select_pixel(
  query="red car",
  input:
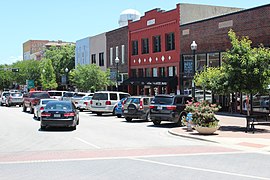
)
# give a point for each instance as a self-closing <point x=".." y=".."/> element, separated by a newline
<point x="31" y="99"/>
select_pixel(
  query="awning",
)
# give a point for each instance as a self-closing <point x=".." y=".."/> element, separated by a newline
<point x="152" y="81"/>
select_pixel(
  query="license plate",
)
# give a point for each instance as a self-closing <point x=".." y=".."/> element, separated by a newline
<point x="57" y="115"/>
<point x="98" y="104"/>
<point x="159" y="107"/>
<point x="125" y="111"/>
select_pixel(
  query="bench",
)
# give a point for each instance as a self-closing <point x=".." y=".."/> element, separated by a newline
<point x="256" y="120"/>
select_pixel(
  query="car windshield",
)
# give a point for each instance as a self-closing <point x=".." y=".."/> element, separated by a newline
<point x="16" y="94"/>
<point x="58" y="106"/>
<point x="40" y="95"/>
<point x="162" y="100"/>
<point x="68" y="94"/>
<point x="78" y="95"/>
<point x="55" y="93"/>
<point x="87" y="98"/>
<point x="133" y="100"/>
<point x="46" y="101"/>
<point x="5" y="94"/>
<point x="100" y="96"/>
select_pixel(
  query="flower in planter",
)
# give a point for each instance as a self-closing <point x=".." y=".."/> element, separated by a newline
<point x="203" y="113"/>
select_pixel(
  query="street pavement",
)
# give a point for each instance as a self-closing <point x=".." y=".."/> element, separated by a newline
<point x="231" y="133"/>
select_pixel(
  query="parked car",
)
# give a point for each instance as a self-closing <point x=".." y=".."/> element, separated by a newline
<point x="67" y="96"/>
<point x="168" y="108"/>
<point x="137" y="107"/>
<point x="77" y="97"/>
<point x="106" y="101"/>
<point x="54" y="94"/>
<point x="3" y="97"/>
<point x="38" y="109"/>
<point x="14" y="99"/>
<point x="59" y="114"/>
<point x="31" y="99"/>
<point x="84" y="102"/>
<point x="120" y="107"/>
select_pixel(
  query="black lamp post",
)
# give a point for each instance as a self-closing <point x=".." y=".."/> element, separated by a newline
<point x="193" y="47"/>
<point x="116" y="62"/>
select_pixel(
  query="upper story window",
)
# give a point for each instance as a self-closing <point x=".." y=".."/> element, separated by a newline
<point x="135" y="47"/>
<point x="101" y="59"/>
<point x="156" y="44"/>
<point x="147" y="72"/>
<point x="93" y="57"/>
<point x="145" y="46"/>
<point x="170" y="42"/>
<point x="133" y="73"/>
<point x="154" y="72"/>
<point x="162" y="72"/>
<point x="140" y="72"/>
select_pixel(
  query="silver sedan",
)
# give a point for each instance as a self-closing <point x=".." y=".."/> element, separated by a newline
<point x="38" y="109"/>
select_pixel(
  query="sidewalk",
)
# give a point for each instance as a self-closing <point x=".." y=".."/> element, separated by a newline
<point x="232" y="134"/>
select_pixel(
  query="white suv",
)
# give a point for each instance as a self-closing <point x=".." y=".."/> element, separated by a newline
<point x="106" y="101"/>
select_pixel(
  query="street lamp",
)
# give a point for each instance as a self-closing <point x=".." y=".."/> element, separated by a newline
<point x="193" y="47"/>
<point x="66" y="70"/>
<point x="117" y="62"/>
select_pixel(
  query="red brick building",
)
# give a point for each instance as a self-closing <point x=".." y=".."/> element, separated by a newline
<point x="154" y="51"/>
<point x="211" y="36"/>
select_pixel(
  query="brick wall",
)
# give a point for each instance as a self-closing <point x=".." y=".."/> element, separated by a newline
<point x="212" y="35"/>
<point x="118" y="37"/>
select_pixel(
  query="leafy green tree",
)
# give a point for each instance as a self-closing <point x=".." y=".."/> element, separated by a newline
<point x="247" y="67"/>
<point x="90" y="77"/>
<point x="48" y="79"/>
<point x="214" y="79"/>
<point x="28" y="70"/>
<point x="62" y="57"/>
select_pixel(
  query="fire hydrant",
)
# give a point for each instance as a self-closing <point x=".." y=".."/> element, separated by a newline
<point x="189" y="121"/>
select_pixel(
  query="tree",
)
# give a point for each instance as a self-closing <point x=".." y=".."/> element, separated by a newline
<point x="247" y="67"/>
<point x="61" y="57"/>
<point x="90" y="77"/>
<point x="47" y="77"/>
<point x="212" y="78"/>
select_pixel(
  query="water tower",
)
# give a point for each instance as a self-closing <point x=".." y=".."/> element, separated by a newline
<point x="128" y="14"/>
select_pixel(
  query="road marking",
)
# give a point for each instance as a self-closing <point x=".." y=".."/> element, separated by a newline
<point x="93" y="145"/>
<point x="200" y="169"/>
<point x="114" y="157"/>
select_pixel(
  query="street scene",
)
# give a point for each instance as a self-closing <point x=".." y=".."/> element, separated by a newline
<point x="131" y="90"/>
<point x="108" y="147"/>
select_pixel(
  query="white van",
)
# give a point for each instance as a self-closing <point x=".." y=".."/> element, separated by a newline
<point x="54" y="94"/>
<point x="106" y="101"/>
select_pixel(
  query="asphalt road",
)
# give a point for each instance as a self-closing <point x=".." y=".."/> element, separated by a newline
<point x="107" y="147"/>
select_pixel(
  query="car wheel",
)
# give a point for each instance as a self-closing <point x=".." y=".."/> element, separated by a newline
<point x="156" y="122"/>
<point x="78" y="121"/>
<point x="99" y="113"/>
<point x="1" y="104"/>
<point x="31" y="109"/>
<point x="147" y="117"/>
<point x="24" y="108"/>
<point x="35" y="117"/>
<point x="129" y="119"/>
<point x="114" y="111"/>
<point x="181" y="120"/>
<point x="119" y="115"/>
<point x="81" y="110"/>
<point x="42" y="127"/>
<point x="74" y="127"/>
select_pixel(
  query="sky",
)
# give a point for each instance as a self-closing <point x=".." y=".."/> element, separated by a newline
<point x="71" y="20"/>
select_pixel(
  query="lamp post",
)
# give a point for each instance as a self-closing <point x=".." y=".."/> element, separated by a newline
<point x="193" y="47"/>
<point x="66" y="70"/>
<point x="116" y="62"/>
<point x="43" y="71"/>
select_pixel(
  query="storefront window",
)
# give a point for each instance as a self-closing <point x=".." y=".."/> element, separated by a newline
<point x="133" y="73"/>
<point x="201" y="62"/>
<point x="213" y="59"/>
<point x="188" y="65"/>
